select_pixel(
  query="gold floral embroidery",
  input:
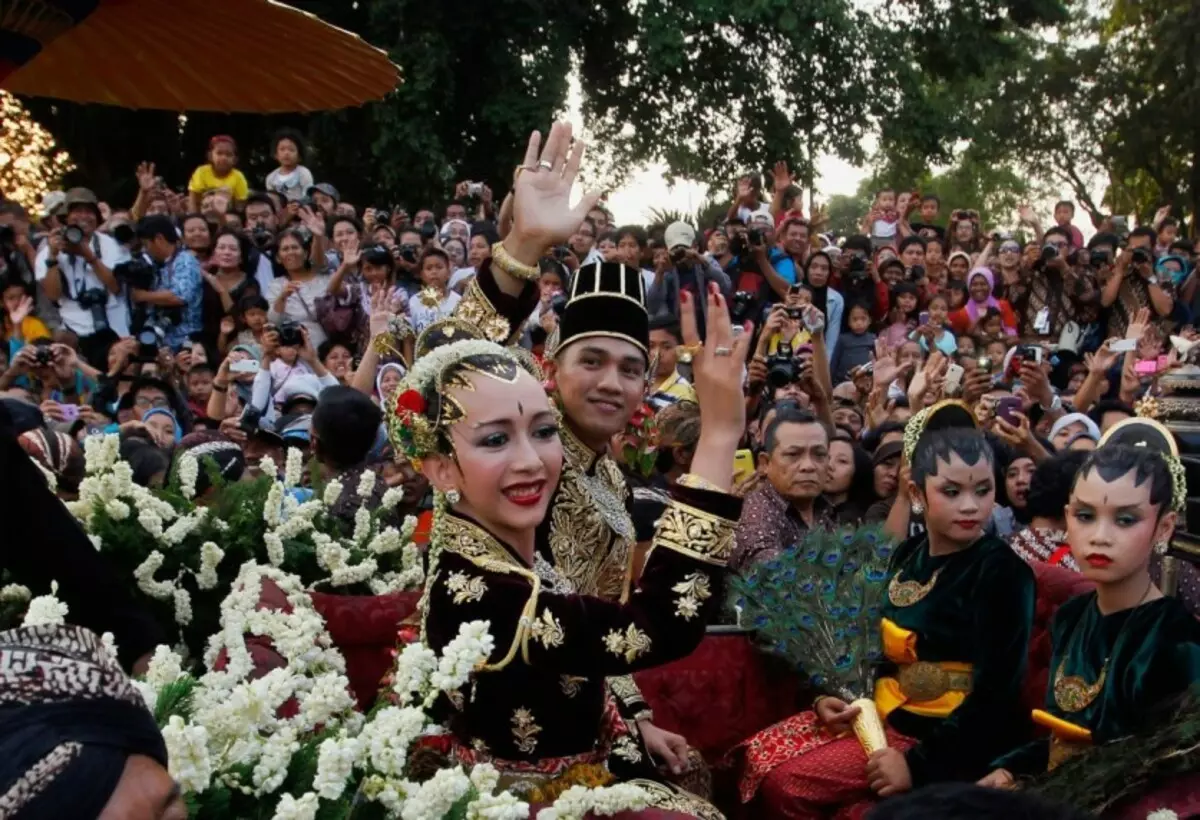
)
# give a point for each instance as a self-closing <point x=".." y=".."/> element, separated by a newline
<point x="907" y="593"/>
<point x="587" y="551"/>
<point x="525" y="730"/>
<point x="475" y="308"/>
<point x="456" y="699"/>
<point x="626" y="749"/>
<point x="547" y="630"/>
<point x="631" y="644"/>
<point x="465" y="587"/>
<point x="478" y="745"/>
<point x="693" y="591"/>
<point x="625" y="689"/>
<point x="570" y="684"/>
<point x="695" y="533"/>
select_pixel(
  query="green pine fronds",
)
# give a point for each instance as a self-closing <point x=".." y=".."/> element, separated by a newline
<point x="1130" y="767"/>
<point x="817" y="604"/>
<point x="175" y="699"/>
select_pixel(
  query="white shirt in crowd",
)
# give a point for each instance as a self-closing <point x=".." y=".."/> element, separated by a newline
<point x="78" y="276"/>
<point x="301" y="306"/>
<point x="422" y="316"/>
<point x="292" y="185"/>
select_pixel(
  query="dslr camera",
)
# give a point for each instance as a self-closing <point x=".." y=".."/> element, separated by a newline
<point x="136" y="273"/>
<point x="407" y="252"/>
<point x="1098" y="259"/>
<point x="290" y="334"/>
<point x="1049" y="252"/>
<point x="781" y="366"/>
<point x="740" y="310"/>
<point x="383" y="216"/>
<point x="1141" y="256"/>
<point x="43" y="356"/>
<point x="73" y="235"/>
<point x="755" y="237"/>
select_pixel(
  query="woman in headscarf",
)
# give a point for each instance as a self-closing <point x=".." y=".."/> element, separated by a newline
<point x="816" y="274"/>
<point x="979" y="298"/>
<point x="76" y="738"/>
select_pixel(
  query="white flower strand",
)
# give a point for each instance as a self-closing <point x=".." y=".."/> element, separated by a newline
<point x="366" y="484"/>
<point x="293" y="468"/>
<point x="189" y="473"/>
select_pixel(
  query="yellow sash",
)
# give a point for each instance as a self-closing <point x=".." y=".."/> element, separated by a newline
<point x="925" y="688"/>
<point x="1066" y="739"/>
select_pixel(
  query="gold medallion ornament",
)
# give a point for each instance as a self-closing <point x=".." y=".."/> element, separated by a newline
<point x="1073" y="693"/>
<point x="907" y="593"/>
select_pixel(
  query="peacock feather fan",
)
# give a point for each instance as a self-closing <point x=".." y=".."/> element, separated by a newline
<point x="818" y="604"/>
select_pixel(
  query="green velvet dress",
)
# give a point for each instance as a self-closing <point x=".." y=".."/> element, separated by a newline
<point x="1153" y="655"/>
<point x="979" y="611"/>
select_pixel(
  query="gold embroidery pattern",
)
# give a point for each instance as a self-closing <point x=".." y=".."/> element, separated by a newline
<point x="626" y="749"/>
<point x="907" y="593"/>
<point x="478" y="745"/>
<point x="456" y="699"/>
<point x="547" y="630"/>
<point x="625" y="689"/>
<point x="582" y="544"/>
<point x="477" y="310"/>
<point x="465" y="587"/>
<point x="695" y="533"/>
<point x="525" y="730"/>
<point x="1073" y="693"/>
<point x="630" y="644"/>
<point x="671" y="798"/>
<point x="570" y="684"/>
<point x="693" y="591"/>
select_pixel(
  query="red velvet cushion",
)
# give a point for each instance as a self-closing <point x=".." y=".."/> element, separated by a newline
<point x="719" y="695"/>
<point x="363" y="628"/>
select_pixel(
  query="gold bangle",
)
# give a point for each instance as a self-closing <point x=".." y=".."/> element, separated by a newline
<point x="698" y="483"/>
<point x="502" y="259"/>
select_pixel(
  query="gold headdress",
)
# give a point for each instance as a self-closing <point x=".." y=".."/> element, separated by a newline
<point x="945" y="414"/>
<point x="410" y="427"/>
<point x="1147" y="433"/>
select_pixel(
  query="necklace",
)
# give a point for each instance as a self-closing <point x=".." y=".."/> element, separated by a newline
<point x="1073" y="693"/>
<point x="907" y="593"/>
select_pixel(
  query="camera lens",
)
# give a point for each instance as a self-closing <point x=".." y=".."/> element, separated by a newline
<point x="73" y="235"/>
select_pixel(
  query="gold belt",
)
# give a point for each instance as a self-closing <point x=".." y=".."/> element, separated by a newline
<point x="929" y="680"/>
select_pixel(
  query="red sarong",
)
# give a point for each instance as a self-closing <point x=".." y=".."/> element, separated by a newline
<point x="799" y="770"/>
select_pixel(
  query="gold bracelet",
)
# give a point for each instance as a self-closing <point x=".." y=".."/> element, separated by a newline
<point x="518" y="270"/>
<point x="698" y="483"/>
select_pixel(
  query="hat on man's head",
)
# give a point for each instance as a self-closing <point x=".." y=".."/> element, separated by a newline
<point x="305" y="387"/>
<point x="607" y="299"/>
<point x="52" y="203"/>
<point x="327" y="189"/>
<point x="82" y="196"/>
<point x="679" y="234"/>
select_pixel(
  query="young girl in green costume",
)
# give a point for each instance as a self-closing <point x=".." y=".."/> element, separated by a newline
<point x="1124" y="649"/>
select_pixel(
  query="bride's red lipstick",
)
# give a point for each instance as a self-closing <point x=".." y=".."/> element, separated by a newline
<point x="1097" y="559"/>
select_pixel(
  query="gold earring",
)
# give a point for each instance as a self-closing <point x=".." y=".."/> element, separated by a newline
<point x="918" y="508"/>
<point x="453" y="496"/>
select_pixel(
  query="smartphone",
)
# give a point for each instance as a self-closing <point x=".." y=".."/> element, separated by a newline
<point x="70" y="412"/>
<point x="1031" y="352"/>
<point x="1007" y="409"/>
<point x="984" y="363"/>
<point x="1146" y="366"/>
<point x="743" y="465"/>
<point x="245" y="366"/>
<point x="923" y="319"/>
<point x="954" y="375"/>
<point x="1123" y="345"/>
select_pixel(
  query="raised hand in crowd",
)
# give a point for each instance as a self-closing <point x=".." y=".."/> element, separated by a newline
<point x="927" y="383"/>
<point x="146" y="177"/>
<point x="886" y="368"/>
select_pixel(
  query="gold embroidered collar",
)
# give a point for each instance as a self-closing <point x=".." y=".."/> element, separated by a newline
<point x="464" y="537"/>
<point x="576" y="453"/>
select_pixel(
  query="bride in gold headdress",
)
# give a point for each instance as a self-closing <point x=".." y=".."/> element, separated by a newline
<point x="487" y="437"/>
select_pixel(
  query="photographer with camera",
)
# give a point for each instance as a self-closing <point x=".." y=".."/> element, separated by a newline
<point x="1133" y="283"/>
<point x="683" y="268"/>
<point x="75" y="268"/>
<point x="166" y="290"/>
<point x="289" y="368"/>
<point x="260" y="224"/>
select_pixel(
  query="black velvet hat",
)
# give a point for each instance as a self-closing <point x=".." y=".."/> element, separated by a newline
<point x="607" y="299"/>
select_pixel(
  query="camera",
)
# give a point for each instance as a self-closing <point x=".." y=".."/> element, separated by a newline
<point x="73" y="235"/>
<point x="383" y="216"/>
<point x="408" y="252"/>
<point x="678" y="254"/>
<point x="43" y="356"/>
<point x="261" y="237"/>
<point x="428" y="230"/>
<point x="794" y="312"/>
<point x="558" y="304"/>
<point x="742" y="300"/>
<point x="561" y="252"/>
<point x="916" y="273"/>
<point x="474" y="188"/>
<point x="1141" y="256"/>
<point x="1049" y="252"/>
<point x="984" y="363"/>
<point x="781" y="367"/>
<point x="755" y="236"/>
<point x="136" y="273"/>
<point x="1098" y="259"/>
<point x="290" y="334"/>
<point x="376" y="255"/>
<point x="150" y="338"/>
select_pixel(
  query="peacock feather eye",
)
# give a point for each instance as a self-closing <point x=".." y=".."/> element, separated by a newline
<point x="761" y="621"/>
<point x="808" y="621"/>
<point x="836" y="611"/>
<point x="848" y="539"/>
<point x="827" y="587"/>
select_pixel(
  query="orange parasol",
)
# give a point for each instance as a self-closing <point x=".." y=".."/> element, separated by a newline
<point x="254" y="56"/>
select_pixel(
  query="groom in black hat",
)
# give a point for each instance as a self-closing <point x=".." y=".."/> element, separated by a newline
<point x="597" y="368"/>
